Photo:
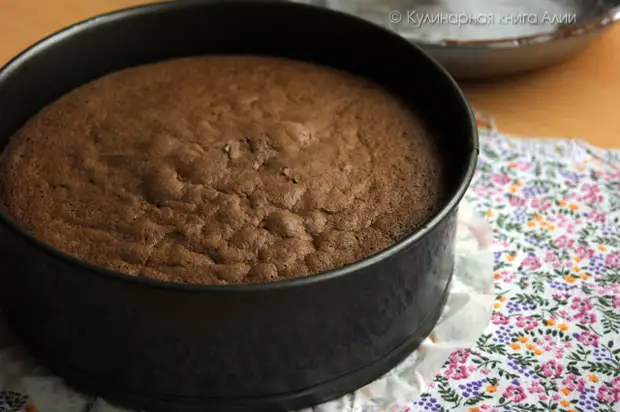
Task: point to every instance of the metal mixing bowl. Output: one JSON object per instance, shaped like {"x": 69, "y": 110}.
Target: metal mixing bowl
{"x": 498, "y": 55}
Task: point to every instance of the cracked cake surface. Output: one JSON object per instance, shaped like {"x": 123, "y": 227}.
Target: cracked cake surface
{"x": 222, "y": 170}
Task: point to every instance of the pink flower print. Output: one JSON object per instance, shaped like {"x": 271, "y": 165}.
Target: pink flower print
{"x": 573, "y": 383}
{"x": 584, "y": 252}
{"x": 552, "y": 369}
{"x": 592, "y": 194}
{"x": 515, "y": 393}
{"x": 526, "y": 322}
{"x": 507, "y": 276}
{"x": 564, "y": 314}
{"x": 586, "y": 318}
{"x": 516, "y": 201}
{"x": 596, "y": 216}
{"x": 588, "y": 338}
{"x": 581, "y": 304}
{"x": 559, "y": 354}
{"x": 616, "y": 302}
{"x": 550, "y": 257}
{"x": 501, "y": 179}
{"x": 607, "y": 395}
{"x": 565, "y": 223}
{"x": 613, "y": 260}
{"x": 459, "y": 372}
{"x": 449, "y": 371}
{"x": 486, "y": 371}
{"x": 499, "y": 319}
{"x": 556, "y": 397}
{"x": 541, "y": 204}
{"x": 523, "y": 166}
{"x": 613, "y": 176}
{"x": 536, "y": 388}
{"x": 531, "y": 262}
{"x": 460, "y": 356}
{"x": 588, "y": 188}
{"x": 564, "y": 242}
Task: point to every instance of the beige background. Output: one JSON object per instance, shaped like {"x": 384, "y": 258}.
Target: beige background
{"x": 576, "y": 99}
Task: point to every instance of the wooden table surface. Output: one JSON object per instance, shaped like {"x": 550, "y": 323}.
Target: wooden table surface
{"x": 576, "y": 99}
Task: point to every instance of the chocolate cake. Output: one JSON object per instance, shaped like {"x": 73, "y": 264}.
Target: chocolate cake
{"x": 222, "y": 170}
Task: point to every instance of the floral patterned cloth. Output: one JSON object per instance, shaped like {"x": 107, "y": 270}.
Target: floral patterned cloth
{"x": 554, "y": 340}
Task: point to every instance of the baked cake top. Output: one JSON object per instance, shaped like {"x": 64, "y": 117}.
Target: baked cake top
{"x": 222, "y": 170}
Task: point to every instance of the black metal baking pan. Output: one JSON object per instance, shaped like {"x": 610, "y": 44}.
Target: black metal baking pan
{"x": 158, "y": 346}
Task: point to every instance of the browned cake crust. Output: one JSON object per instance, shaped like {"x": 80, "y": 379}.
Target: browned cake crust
{"x": 222, "y": 170}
